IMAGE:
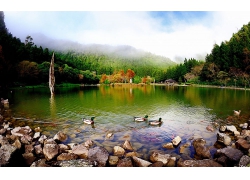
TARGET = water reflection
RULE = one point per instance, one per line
(185, 111)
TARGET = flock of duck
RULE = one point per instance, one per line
(136, 118)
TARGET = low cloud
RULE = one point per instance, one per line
(169, 36)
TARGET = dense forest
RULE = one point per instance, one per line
(24, 63)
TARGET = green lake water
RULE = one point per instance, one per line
(185, 112)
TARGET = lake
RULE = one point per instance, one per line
(185, 112)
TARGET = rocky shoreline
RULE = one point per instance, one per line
(26, 147)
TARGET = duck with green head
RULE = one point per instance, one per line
(89, 121)
(140, 119)
(155, 122)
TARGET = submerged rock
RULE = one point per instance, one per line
(159, 156)
(168, 146)
(81, 151)
(201, 151)
(60, 137)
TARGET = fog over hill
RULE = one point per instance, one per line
(121, 51)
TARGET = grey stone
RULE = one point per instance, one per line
(98, 154)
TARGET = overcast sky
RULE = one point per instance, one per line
(173, 34)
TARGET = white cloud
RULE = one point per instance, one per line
(178, 39)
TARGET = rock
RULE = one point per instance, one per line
(29, 158)
(72, 145)
(88, 143)
(232, 154)
(244, 161)
(98, 154)
(231, 128)
(50, 149)
(81, 151)
(201, 151)
(223, 160)
(197, 163)
(26, 139)
(171, 163)
(157, 164)
(130, 154)
(113, 160)
(74, 163)
(6, 152)
(66, 157)
(63, 148)
(36, 135)
(42, 139)
(183, 147)
(140, 162)
(168, 146)
(159, 156)
(17, 144)
(210, 128)
(40, 163)
(245, 133)
(242, 144)
(60, 137)
(118, 151)
(38, 150)
(29, 148)
(223, 128)
(21, 131)
(37, 129)
(127, 145)
(3, 140)
(223, 138)
(2, 131)
(236, 133)
(176, 140)
(109, 135)
(125, 162)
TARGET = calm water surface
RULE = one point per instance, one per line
(186, 112)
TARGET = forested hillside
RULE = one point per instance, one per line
(26, 63)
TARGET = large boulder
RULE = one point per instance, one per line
(21, 131)
(50, 149)
(6, 152)
(140, 162)
(81, 151)
(98, 154)
(233, 155)
(198, 163)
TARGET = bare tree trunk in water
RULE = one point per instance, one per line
(52, 76)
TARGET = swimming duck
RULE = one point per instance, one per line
(87, 121)
(140, 119)
(155, 122)
(237, 113)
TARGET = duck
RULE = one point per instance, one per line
(89, 121)
(237, 113)
(140, 119)
(155, 122)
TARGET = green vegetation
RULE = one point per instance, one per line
(24, 64)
